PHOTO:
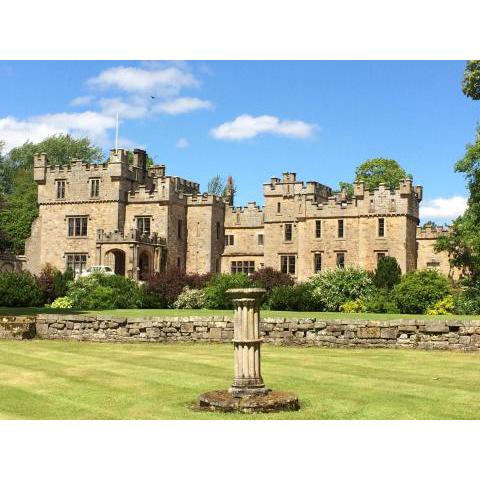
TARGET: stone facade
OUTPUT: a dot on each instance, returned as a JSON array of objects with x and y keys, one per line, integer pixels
[
  {"x": 438, "y": 334},
  {"x": 139, "y": 220}
]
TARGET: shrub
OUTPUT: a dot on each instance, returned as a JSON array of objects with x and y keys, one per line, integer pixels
[
  {"x": 268, "y": 278},
  {"x": 442, "y": 307},
  {"x": 381, "y": 302},
  {"x": 100, "y": 291},
  {"x": 190, "y": 298},
  {"x": 467, "y": 302},
  {"x": 295, "y": 298},
  {"x": 162, "y": 289},
  {"x": 53, "y": 282},
  {"x": 61, "y": 302},
  {"x": 354, "y": 306},
  {"x": 419, "y": 290},
  {"x": 215, "y": 291},
  {"x": 333, "y": 288},
  {"x": 19, "y": 289},
  {"x": 387, "y": 274}
]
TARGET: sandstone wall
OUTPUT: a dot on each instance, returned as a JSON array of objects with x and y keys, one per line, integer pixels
[{"x": 422, "y": 334}]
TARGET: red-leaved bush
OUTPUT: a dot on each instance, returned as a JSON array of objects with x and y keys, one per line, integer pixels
[{"x": 162, "y": 289}]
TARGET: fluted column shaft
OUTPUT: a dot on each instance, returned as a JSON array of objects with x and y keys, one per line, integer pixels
[{"x": 248, "y": 379}]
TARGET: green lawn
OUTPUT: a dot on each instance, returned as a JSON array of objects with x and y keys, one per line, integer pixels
[
  {"x": 265, "y": 313},
  {"x": 43, "y": 379}
]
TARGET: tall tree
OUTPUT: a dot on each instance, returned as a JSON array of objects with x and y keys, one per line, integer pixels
[
  {"x": 375, "y": 171},
  {"x": 471, "y": 80},
  {"x": 20, "y": 191},
  {"x": 462, "y": 243}
]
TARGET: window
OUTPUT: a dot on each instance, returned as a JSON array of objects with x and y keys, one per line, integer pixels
[
  {"x": 288, "y": 232},
  {"x": 380, "y": 255},
  {"x": 260, "y": 239},
  {"x": 77, "y": 226},
  {"x": 179, "y": 229},
  {"x": 279, "y": 207},
  {"x": 77, "y": 262},
  {"x": 143, "y": 225},
  {"x": 287, "y": 264},
  {"x": 433, "y": 264},
  {"x": 318, "y": 228},
  {"x": 94, "y": 187},
  {"x": 341, "y": 260},
  {"x": 217, "y": 265},
  {"x": 340, "y": 229},
  {"x": 229, "y": 240},
  {"x": 381, "y": 227},
  {"x": 218, "y": 230},
  {"x": 245, "y": 266},
  {"x": 61, "y": 188},
  {"x": 317, "y": 263},
  {"x": 179, "y": 262}
]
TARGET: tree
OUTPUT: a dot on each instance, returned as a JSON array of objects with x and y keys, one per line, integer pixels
[
  {"x": 218, "y": 186},
  {"x": 375, "y": 171},
  {"x": 348, "y": 186},
  {"x": 388, "y": 273},
  {"x": 462, "y": 242},
  {"x": 20, "y": 191},
  {"x": 471, "y": 80}
]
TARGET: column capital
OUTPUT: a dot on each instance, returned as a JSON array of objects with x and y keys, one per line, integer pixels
[{"x": 246, "y": 295}]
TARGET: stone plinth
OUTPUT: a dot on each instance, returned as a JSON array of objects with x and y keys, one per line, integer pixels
[{"x": 248, "y": 393}]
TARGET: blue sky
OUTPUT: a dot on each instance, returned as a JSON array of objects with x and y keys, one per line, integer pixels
[{"x": 255, "y": 119}]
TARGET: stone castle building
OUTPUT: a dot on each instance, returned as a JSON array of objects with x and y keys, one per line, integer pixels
[{"x": 139, "y": 220}]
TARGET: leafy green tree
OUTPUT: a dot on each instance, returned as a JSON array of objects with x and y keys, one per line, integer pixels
[
  {"x": 471, "y": 80},
  {"x": 462, "y": 242},
  {"x": 348, "y": 186},
  {"x": 20, "y": 191},
  {"x": 388, "y": 273},
  {"x": 375, "y": 171}
]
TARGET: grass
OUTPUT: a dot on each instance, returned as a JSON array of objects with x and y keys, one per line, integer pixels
[
  {"x": 43, "y": 379},
  {"x": 203, "y": 312}
]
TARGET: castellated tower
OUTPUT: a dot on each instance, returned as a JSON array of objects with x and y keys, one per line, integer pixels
[{"x": 139, "y": 220}]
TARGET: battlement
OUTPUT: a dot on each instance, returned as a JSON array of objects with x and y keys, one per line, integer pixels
[
  {"x": 430, "y": 232},
  {"x": 251, "y": 207},
  {"x": 133, "y": 235},
  {"x": 289, "y": 185},
  {"x": 252, "y": 215},
  {"x": 405, "y": 187},
  {"x": 203, "y": 199}
]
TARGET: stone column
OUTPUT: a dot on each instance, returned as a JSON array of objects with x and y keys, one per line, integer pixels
[{"x": 248, "y": 379}]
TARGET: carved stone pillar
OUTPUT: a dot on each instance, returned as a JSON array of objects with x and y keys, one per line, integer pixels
[{"x": 248, "y": 378}]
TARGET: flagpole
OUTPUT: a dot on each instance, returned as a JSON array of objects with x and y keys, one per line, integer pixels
[{"x": 116, "y": 137}]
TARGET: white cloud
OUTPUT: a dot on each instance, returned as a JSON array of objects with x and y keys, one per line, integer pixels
[
  {"x": 164, "y": 81},
  {"x": 246, "y": 126},
  {"x": 444, "y": 208},
  {"x": 182, "y": 143},
  {"x": 182, "y": 105},
  {"x": 91, "y": 124},
  {"x": 82, "y": 101},
  {"x": 134, "y": 108}
]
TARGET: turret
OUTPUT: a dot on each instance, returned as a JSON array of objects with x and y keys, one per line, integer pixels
[{"x": 40, "y": 167}]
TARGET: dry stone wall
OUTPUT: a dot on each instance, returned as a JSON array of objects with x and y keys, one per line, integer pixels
[{"x": 411, "y": 333}]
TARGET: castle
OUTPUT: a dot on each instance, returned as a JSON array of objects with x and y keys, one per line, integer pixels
[{"x": 140, "y": 220}]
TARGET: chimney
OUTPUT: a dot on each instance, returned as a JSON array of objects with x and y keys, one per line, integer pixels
[{"x": 230, "y": 191}]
